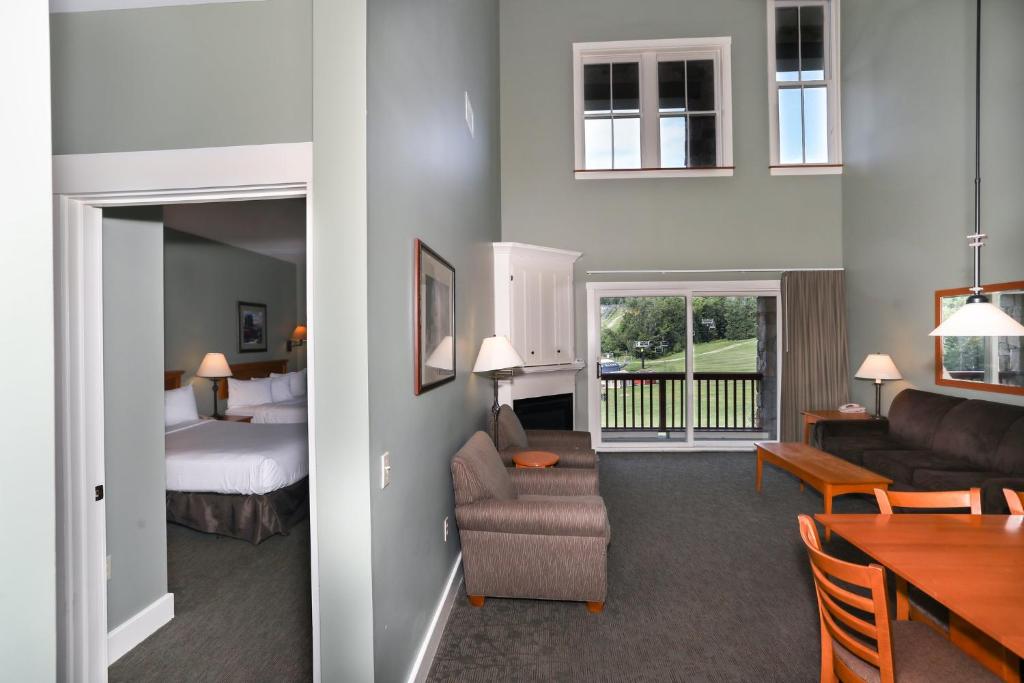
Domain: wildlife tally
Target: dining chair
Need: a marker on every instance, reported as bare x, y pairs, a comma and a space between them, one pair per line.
923, 608
858, 640
1015, 500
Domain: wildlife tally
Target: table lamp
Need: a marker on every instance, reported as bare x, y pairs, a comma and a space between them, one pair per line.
215, 368
498, 358
879, 367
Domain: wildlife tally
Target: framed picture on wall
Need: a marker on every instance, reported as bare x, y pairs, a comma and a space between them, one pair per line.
252, 327
434, 319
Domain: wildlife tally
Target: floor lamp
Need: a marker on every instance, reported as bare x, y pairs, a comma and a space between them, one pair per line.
498, 359
215, 368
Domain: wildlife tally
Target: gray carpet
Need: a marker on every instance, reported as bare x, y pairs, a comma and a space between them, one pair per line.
707, 581
241, 612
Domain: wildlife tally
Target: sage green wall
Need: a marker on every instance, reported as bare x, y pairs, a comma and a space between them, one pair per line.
908, 96
428, 179
28, 608
207, 75
133, 411
203, 282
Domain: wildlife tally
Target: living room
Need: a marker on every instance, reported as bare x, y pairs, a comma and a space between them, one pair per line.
715, 281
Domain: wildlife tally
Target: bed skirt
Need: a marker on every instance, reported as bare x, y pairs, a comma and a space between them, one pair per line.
253, 518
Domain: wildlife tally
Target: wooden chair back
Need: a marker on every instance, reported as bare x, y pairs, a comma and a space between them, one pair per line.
840, 611
1015, 499
887, 500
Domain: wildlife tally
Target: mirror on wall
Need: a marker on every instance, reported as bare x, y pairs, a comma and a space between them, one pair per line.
981, 363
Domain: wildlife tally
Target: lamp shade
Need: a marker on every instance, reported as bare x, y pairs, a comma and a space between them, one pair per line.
214, 366
299, 333
496, 353
979, 319
443, 357
878, 366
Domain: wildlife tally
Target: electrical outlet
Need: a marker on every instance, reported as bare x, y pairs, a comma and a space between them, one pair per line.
445, 529
108, 567
385, 470
470, 119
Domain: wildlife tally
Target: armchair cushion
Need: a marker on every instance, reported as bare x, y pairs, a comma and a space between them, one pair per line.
478, 472
558, 439
510, 430
537, 515
554, 481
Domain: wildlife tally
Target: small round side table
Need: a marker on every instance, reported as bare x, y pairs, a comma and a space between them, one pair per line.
534, 459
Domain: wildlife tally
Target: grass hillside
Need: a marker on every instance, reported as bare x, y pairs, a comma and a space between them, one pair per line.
721, 355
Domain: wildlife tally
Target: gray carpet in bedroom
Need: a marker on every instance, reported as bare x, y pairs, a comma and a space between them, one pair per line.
242, 612
707, 581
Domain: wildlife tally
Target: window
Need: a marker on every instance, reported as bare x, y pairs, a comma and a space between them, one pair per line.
803, 77
653, 108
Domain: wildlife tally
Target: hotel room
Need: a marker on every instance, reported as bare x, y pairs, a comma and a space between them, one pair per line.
513, 340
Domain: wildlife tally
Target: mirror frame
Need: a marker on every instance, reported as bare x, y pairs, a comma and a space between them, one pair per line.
959, 383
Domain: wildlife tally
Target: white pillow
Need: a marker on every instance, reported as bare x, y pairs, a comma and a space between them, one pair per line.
298, 382
180, 406
280, 388
248, 392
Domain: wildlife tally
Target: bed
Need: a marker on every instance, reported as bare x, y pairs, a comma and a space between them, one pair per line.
290, 411
246, 481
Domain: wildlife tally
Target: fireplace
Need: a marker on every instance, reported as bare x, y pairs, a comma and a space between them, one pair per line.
545, 412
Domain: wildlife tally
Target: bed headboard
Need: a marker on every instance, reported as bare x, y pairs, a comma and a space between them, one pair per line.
172, 379
256, 370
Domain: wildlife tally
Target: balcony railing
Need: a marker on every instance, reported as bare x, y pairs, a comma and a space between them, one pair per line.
656, 401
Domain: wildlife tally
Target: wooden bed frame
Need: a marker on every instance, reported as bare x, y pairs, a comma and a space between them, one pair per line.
172, 379
255, 370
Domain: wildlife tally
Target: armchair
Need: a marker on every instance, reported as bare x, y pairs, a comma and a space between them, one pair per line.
539, 534
573, 448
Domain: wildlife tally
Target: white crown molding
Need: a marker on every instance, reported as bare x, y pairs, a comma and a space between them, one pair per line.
70, 6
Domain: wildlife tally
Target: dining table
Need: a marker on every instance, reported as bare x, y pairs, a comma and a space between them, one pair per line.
971, 564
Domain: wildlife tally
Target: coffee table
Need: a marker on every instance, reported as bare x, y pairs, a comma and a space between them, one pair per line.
533, 459
827, 474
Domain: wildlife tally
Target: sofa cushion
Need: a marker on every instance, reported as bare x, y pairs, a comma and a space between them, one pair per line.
510, 430
945, 480
899, 465
1009, 456
478, 473
974, 430
914, 416
852, 447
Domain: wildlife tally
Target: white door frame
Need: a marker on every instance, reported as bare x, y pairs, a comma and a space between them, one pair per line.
83, 185
682, 288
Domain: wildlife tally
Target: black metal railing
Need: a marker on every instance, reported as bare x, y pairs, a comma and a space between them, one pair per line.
656, 401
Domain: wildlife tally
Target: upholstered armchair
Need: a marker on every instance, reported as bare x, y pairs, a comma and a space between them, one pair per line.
573, 448
529, 533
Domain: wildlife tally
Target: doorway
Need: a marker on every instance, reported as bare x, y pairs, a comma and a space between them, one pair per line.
683, 365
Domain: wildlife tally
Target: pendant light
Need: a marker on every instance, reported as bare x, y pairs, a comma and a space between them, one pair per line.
978, 317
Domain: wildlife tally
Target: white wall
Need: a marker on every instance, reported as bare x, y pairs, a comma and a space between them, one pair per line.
27, 576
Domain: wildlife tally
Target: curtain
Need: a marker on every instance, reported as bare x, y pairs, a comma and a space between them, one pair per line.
815, 358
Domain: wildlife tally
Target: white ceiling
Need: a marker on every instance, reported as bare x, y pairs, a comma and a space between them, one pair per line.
272, 227
96, 5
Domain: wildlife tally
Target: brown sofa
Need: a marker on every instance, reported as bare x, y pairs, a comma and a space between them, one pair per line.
529, 533
935, 442
573, 448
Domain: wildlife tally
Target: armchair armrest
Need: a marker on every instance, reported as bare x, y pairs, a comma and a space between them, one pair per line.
554, 439
536, 515
554, 481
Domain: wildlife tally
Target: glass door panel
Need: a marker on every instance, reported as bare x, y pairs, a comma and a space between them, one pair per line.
643, 368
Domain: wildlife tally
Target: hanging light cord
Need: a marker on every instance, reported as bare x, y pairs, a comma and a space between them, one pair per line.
977, 240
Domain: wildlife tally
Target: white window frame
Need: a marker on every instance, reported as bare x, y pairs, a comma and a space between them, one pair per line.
649, 53
834, 166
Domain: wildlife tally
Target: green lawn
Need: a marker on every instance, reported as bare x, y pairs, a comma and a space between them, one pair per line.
721, 355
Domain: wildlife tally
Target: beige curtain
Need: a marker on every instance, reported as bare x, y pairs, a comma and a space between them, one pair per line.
815, 357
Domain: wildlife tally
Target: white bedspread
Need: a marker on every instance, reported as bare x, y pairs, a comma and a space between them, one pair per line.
235, 457
282, 412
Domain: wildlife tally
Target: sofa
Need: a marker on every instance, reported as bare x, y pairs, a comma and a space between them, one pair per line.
529, 533
935, 442
573, 448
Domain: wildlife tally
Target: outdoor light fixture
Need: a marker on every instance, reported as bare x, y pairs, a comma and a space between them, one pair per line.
499, 358
215, 368
978, 317
879, 367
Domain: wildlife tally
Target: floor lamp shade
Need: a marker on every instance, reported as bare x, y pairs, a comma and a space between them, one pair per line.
496, 353
214, 366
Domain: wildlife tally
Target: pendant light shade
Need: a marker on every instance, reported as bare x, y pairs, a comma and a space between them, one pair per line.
979, 319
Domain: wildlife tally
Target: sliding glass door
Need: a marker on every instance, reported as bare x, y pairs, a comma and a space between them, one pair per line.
682, 365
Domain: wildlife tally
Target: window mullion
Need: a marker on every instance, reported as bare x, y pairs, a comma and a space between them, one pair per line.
650, 117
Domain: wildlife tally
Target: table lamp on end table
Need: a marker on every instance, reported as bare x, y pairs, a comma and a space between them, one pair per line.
879, 367
498, 358
215, 368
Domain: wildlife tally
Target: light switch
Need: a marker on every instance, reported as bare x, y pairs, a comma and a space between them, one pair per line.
385, 470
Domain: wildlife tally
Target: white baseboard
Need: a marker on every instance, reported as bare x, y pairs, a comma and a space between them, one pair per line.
122, 639
432, 638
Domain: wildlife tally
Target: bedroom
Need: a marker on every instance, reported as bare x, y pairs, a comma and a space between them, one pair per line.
215, 512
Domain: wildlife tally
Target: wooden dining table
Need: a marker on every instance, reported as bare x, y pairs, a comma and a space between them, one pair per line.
972, 564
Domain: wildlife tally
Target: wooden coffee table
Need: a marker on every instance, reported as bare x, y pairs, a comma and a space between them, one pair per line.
827, 474
812, 416
532, 459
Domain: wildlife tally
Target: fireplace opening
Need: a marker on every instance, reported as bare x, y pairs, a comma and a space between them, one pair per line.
545, 412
